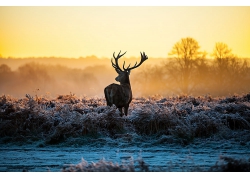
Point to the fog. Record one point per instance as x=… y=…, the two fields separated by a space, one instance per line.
x=53 y=76
x=50 y=77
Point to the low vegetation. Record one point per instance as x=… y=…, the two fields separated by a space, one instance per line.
x=224 y=164
x=178 y=119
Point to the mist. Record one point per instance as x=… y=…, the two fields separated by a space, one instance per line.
x=51 y=77
x=51 y=80
x=54 y=76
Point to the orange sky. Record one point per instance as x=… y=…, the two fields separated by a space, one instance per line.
x=85 y=31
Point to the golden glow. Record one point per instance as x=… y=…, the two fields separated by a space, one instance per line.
x=99 y=31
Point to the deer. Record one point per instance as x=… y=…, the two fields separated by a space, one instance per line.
x=120 y=95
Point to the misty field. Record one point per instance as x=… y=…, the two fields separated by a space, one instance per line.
x=152 y=122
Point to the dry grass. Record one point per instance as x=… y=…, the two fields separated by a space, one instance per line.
x=67 y=116
x=107 y=166
x=224 y=164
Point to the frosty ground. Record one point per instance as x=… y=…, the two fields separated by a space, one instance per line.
x=179 y=133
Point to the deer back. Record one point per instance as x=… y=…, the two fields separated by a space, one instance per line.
x=119 y=95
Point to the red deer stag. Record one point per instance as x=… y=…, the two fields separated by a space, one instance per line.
x=121 y=95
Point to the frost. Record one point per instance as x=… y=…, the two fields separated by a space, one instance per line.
x=68 y=116
x=224 y=164
x=107 y=166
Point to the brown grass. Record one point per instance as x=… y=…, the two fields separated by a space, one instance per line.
x=67 y=116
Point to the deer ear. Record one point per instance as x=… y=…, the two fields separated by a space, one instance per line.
x=128 y=72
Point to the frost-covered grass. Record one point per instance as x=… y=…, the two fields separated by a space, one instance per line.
x=224 y=164
x=178 y=119
x=108 y=166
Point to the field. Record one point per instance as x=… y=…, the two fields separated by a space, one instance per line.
x=179 y=133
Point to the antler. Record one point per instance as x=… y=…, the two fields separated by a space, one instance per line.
x=116 y=66
x=144 y=57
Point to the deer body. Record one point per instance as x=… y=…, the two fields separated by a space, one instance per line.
x=121 y=95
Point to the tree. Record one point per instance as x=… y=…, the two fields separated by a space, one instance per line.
x=186 y=57
x=4 y=69
x=222 y=56
x=230 y=71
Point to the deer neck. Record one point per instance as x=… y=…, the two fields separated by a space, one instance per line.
x=126 y=81
x=126 y=88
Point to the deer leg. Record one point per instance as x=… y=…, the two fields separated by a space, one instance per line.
x=126 y=110
x=107 y=97
x=121 y=113
x=108 y=104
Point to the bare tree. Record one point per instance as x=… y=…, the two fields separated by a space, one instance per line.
x=182 y=69
x=229 y=71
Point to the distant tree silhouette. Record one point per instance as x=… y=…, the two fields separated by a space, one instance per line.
x=229 y=71
x=6 y=77
x=4 y=69
x=5 y=72
x=182 y=70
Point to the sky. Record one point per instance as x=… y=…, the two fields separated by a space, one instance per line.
x=80 y=31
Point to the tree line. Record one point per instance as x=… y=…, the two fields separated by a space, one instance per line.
x=187 y=71
x=190 y=72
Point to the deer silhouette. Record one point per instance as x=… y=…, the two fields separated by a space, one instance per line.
x=121 y=94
